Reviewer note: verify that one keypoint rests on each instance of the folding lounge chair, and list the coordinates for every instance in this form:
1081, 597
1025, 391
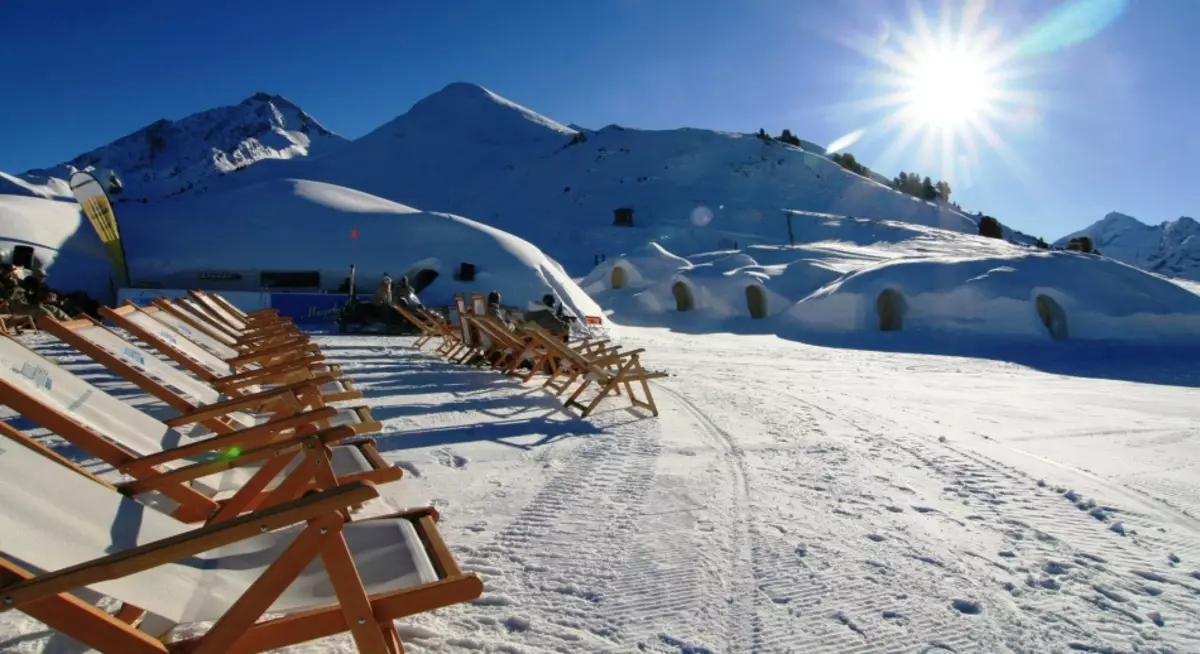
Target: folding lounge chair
273, 335
429, 328
609, 372
265, 313
222, 307
144, 447
205, 357
170, 384
220, 345
63, 536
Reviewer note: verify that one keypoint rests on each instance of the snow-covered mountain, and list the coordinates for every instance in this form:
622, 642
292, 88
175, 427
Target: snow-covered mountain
1171, 248
467, 151
170, 158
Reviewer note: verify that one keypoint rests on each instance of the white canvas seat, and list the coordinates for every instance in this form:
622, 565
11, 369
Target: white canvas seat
196, 351
59, 521
57, 391
197, 392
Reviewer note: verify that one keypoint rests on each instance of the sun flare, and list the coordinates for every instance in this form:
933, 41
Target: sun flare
948, 89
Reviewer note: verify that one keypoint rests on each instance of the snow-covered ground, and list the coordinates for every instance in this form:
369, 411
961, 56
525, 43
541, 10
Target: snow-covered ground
798, 498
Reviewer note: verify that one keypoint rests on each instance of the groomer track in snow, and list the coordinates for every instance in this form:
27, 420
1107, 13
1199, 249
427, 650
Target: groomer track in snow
793, 498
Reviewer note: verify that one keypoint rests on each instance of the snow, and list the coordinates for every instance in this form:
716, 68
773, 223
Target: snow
997, 296
189, 155
240, 231
63, 241
1171, 248
792, 497
949, 283
464, 149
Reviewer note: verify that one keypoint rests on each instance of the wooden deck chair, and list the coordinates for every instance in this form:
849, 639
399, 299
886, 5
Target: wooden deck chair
63, 536
313, 448
203, 356
233, 314
233, 323
172, 385
249, 316
190, 312
10, 322
471, 343
429, 328
608, 372
451, 335
141, 446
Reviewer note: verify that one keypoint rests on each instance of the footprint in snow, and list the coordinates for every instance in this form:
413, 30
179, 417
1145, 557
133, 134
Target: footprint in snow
878, 538
969, 607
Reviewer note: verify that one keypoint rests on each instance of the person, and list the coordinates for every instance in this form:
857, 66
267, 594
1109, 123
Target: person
405, 295
16, 299
383, 293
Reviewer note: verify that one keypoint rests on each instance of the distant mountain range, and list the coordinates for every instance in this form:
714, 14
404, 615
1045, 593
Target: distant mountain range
168, 158
1170, 248
468, 151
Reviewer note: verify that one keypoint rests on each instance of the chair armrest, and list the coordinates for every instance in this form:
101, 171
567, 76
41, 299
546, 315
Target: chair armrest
205, 468
269, 353
250, 436
204, 539
225, 407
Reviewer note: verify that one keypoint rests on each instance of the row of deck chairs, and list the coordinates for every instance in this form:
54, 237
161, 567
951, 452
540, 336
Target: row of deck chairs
526, 350
241, 512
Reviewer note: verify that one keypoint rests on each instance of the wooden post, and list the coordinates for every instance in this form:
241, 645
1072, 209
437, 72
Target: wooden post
791, 235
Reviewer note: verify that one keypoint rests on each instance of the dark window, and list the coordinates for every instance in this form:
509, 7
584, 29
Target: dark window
290, 279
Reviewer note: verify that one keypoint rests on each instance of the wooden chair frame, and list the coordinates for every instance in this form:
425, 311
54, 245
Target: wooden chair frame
66, 331
290, 419
609, 372
368, 618
197, 318
246, 367
215, 301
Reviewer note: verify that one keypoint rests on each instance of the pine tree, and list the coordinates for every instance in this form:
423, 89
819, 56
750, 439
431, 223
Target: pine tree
1041, 244
928, 191
990, 227
943, 191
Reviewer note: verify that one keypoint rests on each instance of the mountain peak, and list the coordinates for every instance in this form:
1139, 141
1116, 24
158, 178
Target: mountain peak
466, 110
171, 157
1168, 248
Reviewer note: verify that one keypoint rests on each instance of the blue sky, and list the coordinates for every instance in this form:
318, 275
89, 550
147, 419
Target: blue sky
1105, 121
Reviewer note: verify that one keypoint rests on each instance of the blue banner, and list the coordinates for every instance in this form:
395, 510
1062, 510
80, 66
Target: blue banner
311, 307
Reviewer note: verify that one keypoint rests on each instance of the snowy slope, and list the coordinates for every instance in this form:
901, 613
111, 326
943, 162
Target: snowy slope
948, 282
63, 241
1171, 248
467, 151
789, 498
329, 227
1097, 298
185, 156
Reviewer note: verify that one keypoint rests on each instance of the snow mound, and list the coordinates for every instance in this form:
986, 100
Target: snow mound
1047, 294
464, 150
638, 269
185, 156
51, 189
63, 240
1171, 248
303, 225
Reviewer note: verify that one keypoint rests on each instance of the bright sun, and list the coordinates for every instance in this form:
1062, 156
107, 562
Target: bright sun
944, 90
947, 89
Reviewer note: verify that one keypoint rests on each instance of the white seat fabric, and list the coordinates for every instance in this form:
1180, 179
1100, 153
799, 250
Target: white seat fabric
60, 390
54, 518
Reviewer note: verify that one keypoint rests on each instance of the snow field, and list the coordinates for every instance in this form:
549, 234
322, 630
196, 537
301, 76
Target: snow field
793, 498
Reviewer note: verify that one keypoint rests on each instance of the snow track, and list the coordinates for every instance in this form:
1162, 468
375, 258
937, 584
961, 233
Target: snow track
793, 499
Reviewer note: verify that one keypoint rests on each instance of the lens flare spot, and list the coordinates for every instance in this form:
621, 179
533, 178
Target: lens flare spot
701, 216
